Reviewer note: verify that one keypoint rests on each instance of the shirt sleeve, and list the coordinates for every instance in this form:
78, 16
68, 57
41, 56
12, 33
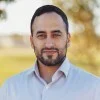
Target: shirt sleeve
4, 91
97, 92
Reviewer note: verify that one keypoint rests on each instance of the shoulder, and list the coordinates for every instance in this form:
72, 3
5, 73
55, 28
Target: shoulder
15, 83
19, 78
84, 80
83, 75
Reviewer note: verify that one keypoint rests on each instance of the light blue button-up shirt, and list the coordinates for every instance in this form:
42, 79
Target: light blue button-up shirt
68, 83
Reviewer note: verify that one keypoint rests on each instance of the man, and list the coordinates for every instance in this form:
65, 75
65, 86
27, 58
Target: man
52, 77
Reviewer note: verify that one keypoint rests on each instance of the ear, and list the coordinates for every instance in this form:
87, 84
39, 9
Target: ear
68, 39
31, 41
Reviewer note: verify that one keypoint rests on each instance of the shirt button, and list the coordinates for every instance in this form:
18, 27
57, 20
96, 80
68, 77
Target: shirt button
47, 87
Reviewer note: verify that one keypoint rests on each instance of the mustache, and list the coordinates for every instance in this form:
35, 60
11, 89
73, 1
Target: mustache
44, 49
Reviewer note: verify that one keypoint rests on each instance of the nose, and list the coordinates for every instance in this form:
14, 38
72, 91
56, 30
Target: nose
49, 43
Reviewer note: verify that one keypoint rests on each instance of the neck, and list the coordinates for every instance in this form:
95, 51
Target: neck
46, 72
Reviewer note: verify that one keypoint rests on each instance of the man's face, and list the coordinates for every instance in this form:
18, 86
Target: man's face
49, 39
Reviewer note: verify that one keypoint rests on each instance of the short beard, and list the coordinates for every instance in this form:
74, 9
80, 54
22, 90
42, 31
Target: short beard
51, 62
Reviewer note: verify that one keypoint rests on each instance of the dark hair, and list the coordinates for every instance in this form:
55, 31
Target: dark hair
47, 9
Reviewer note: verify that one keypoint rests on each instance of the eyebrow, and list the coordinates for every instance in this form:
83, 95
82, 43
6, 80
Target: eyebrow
54, 31
38, 32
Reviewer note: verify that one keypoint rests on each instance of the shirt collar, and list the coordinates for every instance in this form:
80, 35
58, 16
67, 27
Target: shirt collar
32, 69
63, 68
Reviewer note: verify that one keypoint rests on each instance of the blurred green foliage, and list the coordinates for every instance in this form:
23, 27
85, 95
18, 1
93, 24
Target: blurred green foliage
3, 14
85, 46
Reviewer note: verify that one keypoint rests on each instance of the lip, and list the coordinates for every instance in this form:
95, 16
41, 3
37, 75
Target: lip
49, 51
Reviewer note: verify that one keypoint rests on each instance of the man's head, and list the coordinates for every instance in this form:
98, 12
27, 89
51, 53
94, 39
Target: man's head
49, 9
49, 35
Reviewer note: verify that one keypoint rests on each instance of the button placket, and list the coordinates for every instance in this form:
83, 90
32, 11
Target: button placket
44, 92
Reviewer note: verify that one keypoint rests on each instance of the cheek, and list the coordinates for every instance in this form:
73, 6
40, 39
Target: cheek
39, 44
37, 48
62, 44
62, 51
63, 48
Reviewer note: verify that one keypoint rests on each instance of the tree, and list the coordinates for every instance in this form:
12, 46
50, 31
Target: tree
81, 12
3, 14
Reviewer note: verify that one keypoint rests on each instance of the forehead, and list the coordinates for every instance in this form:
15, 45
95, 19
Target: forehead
48, 19
51, 15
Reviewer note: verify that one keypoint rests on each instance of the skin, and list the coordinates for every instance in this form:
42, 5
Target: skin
49, 42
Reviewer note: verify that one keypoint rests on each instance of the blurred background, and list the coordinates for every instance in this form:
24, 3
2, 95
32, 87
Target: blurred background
16, 54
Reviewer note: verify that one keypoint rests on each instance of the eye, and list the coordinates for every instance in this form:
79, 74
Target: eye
41, 36
56, 35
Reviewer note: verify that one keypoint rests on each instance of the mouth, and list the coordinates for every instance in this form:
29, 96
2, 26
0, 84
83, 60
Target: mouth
50, 52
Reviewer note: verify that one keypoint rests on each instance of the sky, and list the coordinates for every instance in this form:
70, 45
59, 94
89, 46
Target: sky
19, 15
